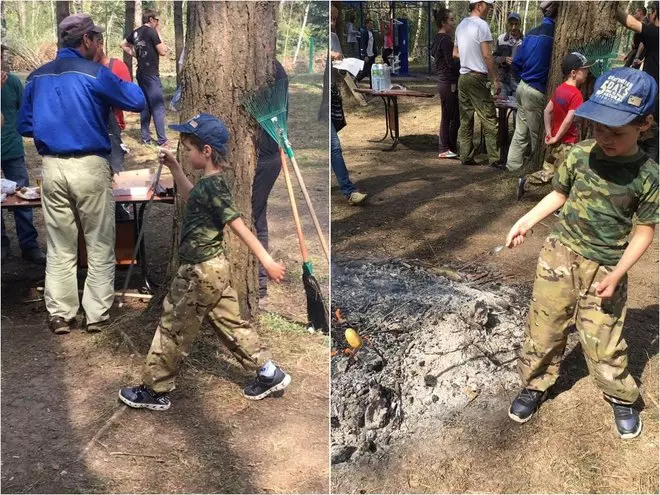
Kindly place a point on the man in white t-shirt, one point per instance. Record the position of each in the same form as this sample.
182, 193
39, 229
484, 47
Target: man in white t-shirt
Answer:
473, 47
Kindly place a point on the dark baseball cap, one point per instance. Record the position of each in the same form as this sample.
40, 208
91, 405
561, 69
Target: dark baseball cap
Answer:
574, 61
513, 15
211, 130
620, 96
76, 25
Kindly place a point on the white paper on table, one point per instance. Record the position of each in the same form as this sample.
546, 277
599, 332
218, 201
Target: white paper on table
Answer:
352, 65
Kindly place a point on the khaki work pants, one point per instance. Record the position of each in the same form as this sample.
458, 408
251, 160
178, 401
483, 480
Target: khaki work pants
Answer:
529, 123
565, 292
197, 291
79, 190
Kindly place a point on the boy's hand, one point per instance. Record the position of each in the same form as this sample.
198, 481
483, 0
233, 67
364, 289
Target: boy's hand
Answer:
509, 60
275, 271
167, 158
607, 286
516, 235
550, 139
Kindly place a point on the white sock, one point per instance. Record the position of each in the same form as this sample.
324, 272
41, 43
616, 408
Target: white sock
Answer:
268, 369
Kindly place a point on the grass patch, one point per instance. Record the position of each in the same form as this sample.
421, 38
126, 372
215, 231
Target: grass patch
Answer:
277, 323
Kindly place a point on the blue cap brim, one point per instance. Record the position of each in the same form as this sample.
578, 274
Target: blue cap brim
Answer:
185, 127
602, 114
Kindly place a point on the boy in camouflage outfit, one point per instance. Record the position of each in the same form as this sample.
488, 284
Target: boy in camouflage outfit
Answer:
581, 274
561, 133
202, 286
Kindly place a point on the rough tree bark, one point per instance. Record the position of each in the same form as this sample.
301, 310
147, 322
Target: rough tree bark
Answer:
129, 25
579, 23
62, 11
231, 53
178, 35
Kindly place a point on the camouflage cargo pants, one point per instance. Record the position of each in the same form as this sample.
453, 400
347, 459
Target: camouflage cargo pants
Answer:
557, 155
197, 291
564, 292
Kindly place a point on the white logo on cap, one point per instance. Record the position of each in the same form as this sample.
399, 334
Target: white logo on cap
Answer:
635, 101
615, 89
193, 124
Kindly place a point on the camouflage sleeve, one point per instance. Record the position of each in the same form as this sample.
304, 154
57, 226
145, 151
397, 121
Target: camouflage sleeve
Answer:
221, 202
565, 174
647, 210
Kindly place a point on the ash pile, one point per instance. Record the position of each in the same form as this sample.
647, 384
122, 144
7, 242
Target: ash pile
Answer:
431, 346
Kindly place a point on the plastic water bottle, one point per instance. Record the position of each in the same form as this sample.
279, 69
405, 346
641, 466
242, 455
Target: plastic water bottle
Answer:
386, 84
375, 77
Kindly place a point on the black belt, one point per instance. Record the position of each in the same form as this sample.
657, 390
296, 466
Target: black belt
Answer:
78, 154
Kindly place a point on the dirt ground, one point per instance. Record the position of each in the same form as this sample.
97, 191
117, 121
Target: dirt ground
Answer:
440, 212
63, 428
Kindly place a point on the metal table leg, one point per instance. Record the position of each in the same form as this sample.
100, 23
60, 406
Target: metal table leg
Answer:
142, 253
393, 117
387, 121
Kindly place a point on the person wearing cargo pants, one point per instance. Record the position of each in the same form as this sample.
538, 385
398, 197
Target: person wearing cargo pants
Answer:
565, 292
529, 122
557, 154
79, 189
474, 96
197, 291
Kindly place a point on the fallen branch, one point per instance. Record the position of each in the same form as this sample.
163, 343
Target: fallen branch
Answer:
135, 454
101, 431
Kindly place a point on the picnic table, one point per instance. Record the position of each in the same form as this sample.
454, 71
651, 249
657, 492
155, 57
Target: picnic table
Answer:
130, 187
390, 99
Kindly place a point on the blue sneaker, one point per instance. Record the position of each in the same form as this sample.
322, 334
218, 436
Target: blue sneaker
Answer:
141, 397
523, 407
262, 386
627, 420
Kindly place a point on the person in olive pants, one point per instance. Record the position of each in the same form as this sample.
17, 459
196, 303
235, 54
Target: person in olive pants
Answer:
474, 96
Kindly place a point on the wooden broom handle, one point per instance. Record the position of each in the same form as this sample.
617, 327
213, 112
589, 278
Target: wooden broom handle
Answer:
294, 208
324, 245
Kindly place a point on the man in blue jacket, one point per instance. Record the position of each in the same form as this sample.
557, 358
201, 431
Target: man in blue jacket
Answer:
65, 110
532, 63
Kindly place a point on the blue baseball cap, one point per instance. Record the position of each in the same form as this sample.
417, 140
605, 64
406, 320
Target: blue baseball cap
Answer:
514, 15
620, 96
208, 128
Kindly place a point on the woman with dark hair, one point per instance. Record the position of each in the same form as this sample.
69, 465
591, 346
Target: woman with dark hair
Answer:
446, 67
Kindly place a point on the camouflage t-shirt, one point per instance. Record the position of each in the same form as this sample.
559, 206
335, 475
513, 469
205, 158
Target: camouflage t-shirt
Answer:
604, 193
208, 210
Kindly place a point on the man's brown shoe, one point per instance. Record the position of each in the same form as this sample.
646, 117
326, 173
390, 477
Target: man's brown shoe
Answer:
59, 325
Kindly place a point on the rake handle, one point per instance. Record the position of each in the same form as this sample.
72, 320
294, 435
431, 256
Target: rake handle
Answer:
319, 231
294, 207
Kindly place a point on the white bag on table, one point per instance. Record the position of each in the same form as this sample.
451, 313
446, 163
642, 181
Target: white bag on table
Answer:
8, 186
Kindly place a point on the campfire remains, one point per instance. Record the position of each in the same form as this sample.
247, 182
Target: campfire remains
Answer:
431, 346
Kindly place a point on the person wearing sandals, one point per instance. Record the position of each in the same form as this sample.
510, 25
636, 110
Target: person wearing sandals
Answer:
447, 67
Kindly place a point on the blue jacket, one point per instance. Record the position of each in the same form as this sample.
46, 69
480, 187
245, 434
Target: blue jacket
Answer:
67, 102
533, 58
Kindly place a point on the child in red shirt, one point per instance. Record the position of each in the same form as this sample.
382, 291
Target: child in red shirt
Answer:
561, 133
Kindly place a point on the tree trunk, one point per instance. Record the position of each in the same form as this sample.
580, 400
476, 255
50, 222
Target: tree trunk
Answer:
22, 16
524, 26
415, 45
231, 52
300, 37
578, 23
138, 13
62, 11
286, 36
178, 36
129, 25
